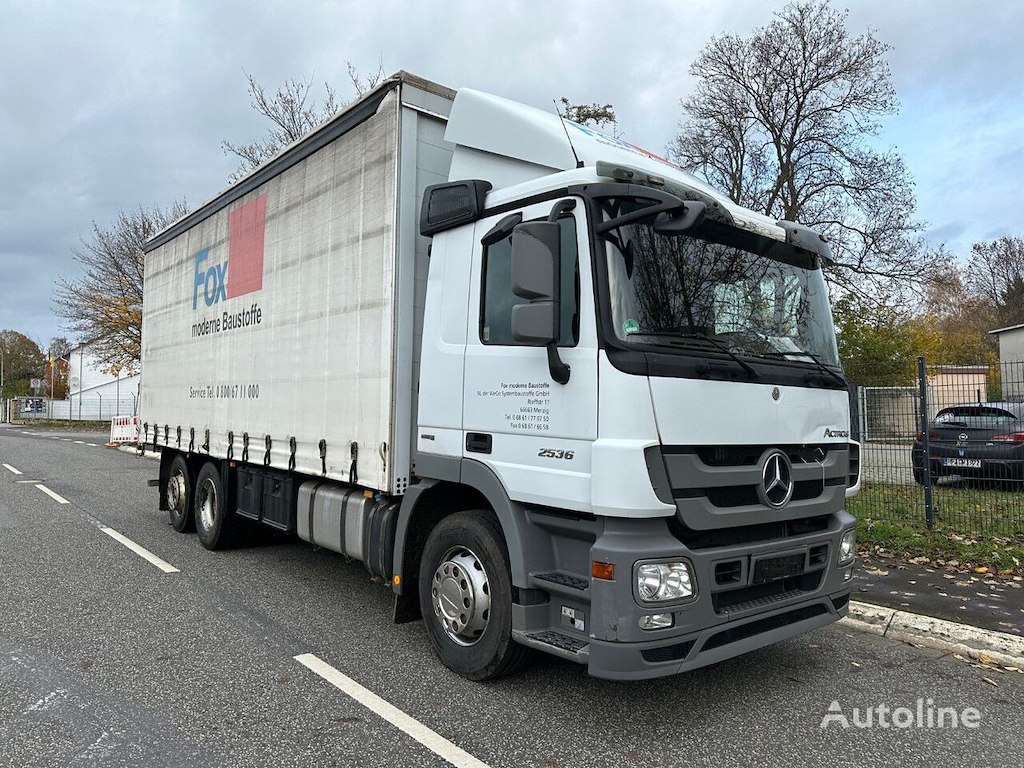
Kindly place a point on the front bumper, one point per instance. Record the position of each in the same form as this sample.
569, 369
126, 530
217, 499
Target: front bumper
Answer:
635, 661
723, 619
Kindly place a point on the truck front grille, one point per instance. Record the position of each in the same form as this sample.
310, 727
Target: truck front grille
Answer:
747, 455
720, 486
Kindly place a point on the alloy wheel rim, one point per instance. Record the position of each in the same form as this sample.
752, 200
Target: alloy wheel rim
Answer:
461, 596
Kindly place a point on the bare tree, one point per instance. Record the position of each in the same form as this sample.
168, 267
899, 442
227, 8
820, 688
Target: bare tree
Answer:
293, 113
781, 122
103, 307
996, 273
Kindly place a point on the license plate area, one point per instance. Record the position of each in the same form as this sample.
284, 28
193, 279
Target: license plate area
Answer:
963, 463
773, 568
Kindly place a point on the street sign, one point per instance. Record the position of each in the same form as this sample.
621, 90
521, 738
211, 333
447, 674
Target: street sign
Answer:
36, 383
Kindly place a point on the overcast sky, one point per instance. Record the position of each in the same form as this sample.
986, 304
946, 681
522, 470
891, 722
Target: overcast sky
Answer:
107, 106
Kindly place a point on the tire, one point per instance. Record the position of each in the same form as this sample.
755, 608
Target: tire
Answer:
465, 562
214, 524
178, 495
918, 476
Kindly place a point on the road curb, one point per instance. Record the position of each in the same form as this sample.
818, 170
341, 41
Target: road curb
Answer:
1000, 647
134, 450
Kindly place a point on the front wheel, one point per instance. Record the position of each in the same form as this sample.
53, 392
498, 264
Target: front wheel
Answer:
214, 525
465, 591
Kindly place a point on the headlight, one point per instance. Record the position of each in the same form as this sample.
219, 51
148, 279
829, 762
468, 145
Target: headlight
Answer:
847, 551
662, 582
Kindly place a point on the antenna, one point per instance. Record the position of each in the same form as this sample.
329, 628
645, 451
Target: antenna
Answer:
579, 163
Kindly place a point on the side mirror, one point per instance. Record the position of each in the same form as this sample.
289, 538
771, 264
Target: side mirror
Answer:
536, 271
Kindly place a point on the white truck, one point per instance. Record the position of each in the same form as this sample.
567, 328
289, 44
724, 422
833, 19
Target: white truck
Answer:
554, 391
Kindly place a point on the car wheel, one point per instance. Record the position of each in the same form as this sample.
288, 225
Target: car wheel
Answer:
178, 495
214, 525
918, 476
465, 589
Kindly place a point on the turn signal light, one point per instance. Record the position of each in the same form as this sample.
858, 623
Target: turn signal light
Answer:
1017, 438
605, 571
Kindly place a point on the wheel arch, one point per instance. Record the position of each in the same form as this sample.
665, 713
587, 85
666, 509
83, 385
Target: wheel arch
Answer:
474, 486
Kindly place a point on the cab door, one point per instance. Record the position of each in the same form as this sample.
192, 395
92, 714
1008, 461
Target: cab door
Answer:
535, 433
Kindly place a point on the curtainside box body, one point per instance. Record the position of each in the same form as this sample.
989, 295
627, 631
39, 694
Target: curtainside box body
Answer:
282, 319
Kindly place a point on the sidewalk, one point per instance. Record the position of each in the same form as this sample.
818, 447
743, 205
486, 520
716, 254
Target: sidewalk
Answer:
979, 600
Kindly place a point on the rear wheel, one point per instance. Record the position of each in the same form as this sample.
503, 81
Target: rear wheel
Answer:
465, 590
214, 525
178, 495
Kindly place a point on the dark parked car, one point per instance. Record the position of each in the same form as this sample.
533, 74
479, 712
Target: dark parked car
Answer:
984, 440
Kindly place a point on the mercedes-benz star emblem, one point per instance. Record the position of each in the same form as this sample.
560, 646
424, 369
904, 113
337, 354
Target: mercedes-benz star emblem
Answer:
776, 480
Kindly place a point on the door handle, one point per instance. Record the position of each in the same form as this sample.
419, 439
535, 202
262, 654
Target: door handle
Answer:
478, 442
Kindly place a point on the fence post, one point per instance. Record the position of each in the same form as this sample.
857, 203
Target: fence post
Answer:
922, 382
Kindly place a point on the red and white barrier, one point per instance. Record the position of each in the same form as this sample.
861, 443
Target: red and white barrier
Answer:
124, 429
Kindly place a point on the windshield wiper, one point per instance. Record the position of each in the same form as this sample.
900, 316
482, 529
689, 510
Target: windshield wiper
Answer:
814, 358
750, 370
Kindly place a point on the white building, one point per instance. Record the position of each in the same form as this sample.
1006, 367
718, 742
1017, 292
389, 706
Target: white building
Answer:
96, 393
1011, 360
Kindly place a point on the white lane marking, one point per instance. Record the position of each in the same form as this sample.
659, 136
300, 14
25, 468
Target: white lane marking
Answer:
433, 741
11, 469
141, 551
79, 442
55, 496
92, 445
45, 702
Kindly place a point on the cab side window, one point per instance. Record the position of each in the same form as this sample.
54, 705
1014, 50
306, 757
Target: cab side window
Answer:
497, 298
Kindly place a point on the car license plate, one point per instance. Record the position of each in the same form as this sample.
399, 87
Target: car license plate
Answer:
773, 568
964, 463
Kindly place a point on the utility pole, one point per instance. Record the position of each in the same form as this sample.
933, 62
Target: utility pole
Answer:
3, 400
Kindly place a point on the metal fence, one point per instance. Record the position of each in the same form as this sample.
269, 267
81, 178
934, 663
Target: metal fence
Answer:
87, 407
968, 420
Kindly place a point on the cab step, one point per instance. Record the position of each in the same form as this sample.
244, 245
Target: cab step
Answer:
557, 643
562, 582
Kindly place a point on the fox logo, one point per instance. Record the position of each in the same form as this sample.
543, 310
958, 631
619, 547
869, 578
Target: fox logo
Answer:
246, 227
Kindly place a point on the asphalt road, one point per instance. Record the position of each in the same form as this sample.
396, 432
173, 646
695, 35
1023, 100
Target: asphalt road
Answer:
105, 659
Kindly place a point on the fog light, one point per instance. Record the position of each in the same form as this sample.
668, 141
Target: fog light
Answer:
656, 621
662, 582
848, 574
847, 551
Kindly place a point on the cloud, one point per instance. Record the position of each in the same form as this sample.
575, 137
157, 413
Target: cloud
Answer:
108, 107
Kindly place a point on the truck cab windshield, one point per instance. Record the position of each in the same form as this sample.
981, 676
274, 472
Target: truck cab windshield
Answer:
716, 287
